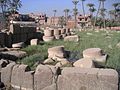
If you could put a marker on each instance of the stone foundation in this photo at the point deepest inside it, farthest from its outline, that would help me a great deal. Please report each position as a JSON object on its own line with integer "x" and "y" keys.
{"x": 45, "y": 77}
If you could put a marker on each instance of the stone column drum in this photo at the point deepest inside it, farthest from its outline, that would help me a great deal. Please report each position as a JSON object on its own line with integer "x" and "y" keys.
{"x": 57, "y": 33}
{"x": 48, "y": 35}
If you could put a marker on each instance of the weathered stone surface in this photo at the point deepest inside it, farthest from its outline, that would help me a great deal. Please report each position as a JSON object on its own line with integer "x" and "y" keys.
{"x": 48, "y": 32}
{"x": 92, "y": 53}
{"x": 56, "y": 51}
{"x": 58, "y": 36}
{"x": 87, "y": 79}
{"x": 108, "y": 75}
{"x": 57, "y": 32}
{"x": 34, "y": 42}
{"x": 63, "y": 35}
{"x": 22, "y": 78}
{"x": 3, "y": 63}
{"x": 62, "y": 63}
{"x": 96, "y": 54}
{"x": 74, "y": 38}
{"x": 84, "y": 63}
{"x": 48, "y": 39}
{"x": 49, "y": 60}
{"x": 43, "y": 77}
{"x": 6, "y": 74}
{"x": 13, "y": 55}
{"x": 63, "y": 31}
{"x": 51, "y": 87}
{"x": 18, "y": 45}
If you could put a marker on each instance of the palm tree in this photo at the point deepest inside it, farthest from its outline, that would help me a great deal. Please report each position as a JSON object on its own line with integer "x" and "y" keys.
{"x": 112, "y": 14}
{"x": 4, "y": 5}
{"x": 115, "y": 5}
{"x": 101, "y": 4}
{"x": 66, "y": 14}
{"x": 55, "y": 11}
{"x": 75, "y": 2}
{"x": 14, "y": 5}
{"x": 91, "y": 8}
{"x": 82, "y": 2}
{"x": 102, "y": 14}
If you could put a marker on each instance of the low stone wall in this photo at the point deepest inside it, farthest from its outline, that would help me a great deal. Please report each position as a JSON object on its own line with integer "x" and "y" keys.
{"x": 45, "y": 77}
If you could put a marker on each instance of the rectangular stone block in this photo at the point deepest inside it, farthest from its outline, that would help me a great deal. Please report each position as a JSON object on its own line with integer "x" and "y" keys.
{"x": 22, "y": 78}
{"x": 43, "y": 77}
{"x": 87, "y": 79}
{"x": 6, "y": 74}
{"x": 108, "y": 75}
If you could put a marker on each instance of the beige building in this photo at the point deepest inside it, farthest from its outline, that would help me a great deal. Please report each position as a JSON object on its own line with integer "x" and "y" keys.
{"x": 41, "y": 18}
{"x": 86, "y": 21}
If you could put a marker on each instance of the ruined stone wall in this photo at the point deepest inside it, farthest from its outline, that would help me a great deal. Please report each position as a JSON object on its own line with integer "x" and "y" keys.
{"x": 18, "y": 33}
{"x": 45, "y": 77}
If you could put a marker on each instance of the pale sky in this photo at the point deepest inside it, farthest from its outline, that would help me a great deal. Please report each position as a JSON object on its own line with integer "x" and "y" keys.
{"x": 47, "y": 6}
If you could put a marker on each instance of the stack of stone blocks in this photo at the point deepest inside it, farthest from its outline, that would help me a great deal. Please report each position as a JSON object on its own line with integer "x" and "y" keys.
{"x": 46, "y": 77}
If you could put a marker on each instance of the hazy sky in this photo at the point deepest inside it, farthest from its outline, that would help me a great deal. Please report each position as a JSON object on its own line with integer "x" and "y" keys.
{"x": 47, "y": 6}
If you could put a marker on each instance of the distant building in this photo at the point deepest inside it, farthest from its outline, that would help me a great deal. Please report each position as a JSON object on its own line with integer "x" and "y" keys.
{"x": 41, "y": 18}
{"x": 86, "y": 21}
{"x": 53, "y": 21}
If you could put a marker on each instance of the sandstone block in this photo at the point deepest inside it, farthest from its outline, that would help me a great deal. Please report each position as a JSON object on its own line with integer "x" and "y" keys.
{"x": 48, "y": 32}
{"x": 21, "y": 78}
{"x": 34, "y": 42}
{"x": 58, "y": 37}
{"x": 74, "y": 38}
{"x": 84, "y": 63}
{"x": 57, "y": 32}
{"x": 56, "y": 51}
{"x": 13, "y": 55}
{"x": 96, "y": 54}
{"x": 43, "y": 77}
{"x": 48, "y": 39}
{"x": 87, "y": 79}
{"x": 63, "y": 31}
{"x": 18, "y": 45}
{"x": 6, "y": 74}
{"x": 51, "y": 87}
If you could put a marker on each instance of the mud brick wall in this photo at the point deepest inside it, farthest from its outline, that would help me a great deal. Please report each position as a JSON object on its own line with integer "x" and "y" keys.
{"x": 45, "y": 77}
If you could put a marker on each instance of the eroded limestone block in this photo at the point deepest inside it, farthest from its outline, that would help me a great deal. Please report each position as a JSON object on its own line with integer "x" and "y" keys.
{"x": 96, "y": 54}
{"x": 48, "y": 32}
{"x": 74, "y": 38}
{"x": 87, "y": 79}
{"x": 43, "y": 77}
{"x": 22, "y": 78}
{"x": 34, "y": 42}
{"x": 13, "y": 55}
{"x": 48, "y": 39}
{"x": 18, "y": 45}
{"x": 57, "y": 32}
{"x": 56, "y": 51}
{"x": 84, "y": 63}
{"x": 6, "y": 74}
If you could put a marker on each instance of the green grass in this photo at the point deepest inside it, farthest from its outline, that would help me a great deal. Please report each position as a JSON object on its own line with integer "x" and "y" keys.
{"x": 104, "y": 40}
